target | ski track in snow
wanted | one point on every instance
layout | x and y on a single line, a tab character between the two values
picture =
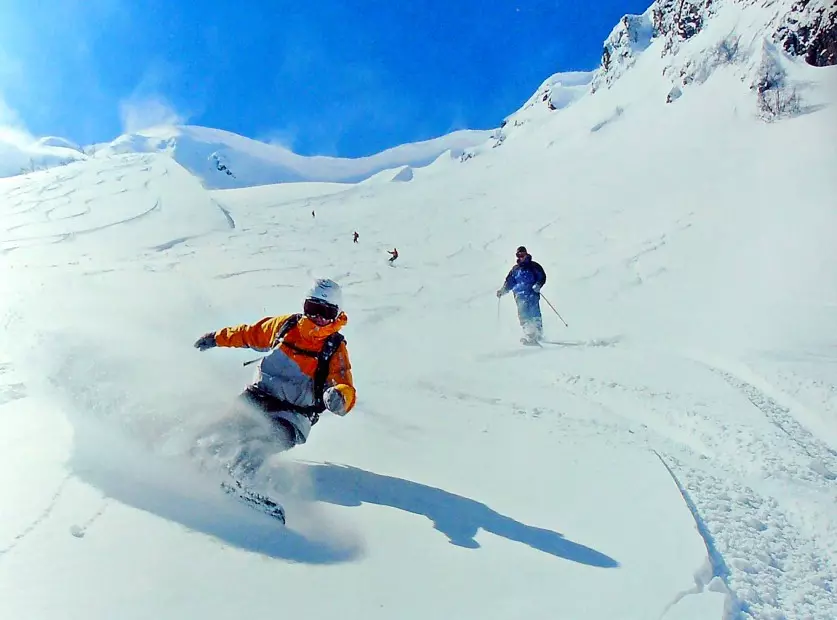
823	458
79	531
768	553
777	551
39	519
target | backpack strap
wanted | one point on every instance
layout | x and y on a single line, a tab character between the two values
330	346
287	326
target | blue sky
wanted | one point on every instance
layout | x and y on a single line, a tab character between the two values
325	77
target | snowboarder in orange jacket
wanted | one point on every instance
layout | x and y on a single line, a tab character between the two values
306	369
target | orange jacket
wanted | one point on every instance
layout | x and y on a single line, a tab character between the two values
307	336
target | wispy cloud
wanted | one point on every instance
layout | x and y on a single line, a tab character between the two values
17	145
147	106
12	128
8	117
286	137
139	113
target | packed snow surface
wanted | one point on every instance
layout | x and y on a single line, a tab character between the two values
671	453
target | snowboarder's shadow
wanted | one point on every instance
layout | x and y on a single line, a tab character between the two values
129	475
173	489
459	518
200	506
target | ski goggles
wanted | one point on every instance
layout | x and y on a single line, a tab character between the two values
320	309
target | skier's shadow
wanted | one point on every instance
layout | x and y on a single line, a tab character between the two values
457	517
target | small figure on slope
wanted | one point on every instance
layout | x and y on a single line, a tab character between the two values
393	254
525	280
355	237
306	369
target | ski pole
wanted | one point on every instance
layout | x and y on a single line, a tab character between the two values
498	311
554	310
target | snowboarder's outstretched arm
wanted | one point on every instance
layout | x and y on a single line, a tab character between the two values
258	336
340	394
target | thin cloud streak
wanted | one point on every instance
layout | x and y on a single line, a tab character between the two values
138	113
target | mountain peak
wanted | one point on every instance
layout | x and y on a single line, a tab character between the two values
804	28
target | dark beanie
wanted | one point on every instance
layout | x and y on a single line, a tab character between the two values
521	249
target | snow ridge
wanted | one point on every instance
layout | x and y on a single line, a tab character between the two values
224	160
557	92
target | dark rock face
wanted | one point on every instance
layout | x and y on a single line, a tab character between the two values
810	30
680	18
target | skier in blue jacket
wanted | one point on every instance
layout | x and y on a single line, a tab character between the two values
525	280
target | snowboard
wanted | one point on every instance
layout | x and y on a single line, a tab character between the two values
256	501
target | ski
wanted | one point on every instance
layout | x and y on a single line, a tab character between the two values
257	501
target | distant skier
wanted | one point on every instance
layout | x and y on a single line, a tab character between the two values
306	369
313	214
355	237
525	280
393	254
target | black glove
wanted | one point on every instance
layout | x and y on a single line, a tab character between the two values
207	341
500	292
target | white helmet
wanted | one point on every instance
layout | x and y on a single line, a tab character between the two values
326	290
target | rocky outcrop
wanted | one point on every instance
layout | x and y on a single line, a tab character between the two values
803	28
220	164
680	20
809	30
627	40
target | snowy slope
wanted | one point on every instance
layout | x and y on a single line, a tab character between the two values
86	204
671	454
226	160
431	461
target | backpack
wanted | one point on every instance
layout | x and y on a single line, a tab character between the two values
330	346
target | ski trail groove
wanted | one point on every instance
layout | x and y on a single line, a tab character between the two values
775	569
80	530
719	566
227	214
782	419
45	513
